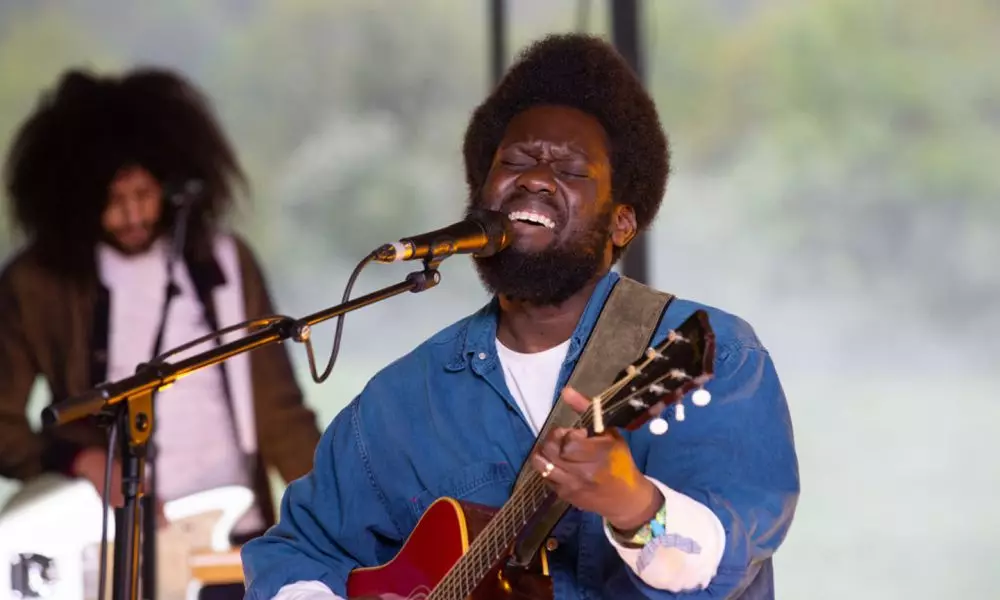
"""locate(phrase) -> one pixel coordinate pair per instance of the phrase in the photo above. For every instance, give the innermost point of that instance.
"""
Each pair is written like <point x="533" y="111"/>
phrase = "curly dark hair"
<point x="587" y="73"/>
<point x="89" y="127"/>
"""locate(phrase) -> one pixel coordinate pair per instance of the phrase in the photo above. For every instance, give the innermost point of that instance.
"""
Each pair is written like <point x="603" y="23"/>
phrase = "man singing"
<point x="569" y="145"/>
<point x="81" y="303"/>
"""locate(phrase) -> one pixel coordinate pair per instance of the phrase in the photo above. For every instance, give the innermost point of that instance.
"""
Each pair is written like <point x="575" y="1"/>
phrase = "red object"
<point x="441" y="538"/>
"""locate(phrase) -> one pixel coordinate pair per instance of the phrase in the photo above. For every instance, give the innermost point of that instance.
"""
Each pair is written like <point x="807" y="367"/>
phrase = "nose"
<point x="133" y="211"/>
<point x="538" y="180"/>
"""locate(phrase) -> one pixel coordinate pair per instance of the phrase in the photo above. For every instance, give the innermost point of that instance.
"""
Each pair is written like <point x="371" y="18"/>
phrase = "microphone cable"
<point x="106" y="505"/>
<point x="340" y="325"/>
<point x="271" y="319"/>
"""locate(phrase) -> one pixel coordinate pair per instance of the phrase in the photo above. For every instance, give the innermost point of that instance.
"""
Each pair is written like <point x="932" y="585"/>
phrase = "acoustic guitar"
<point x="460" y="550"/>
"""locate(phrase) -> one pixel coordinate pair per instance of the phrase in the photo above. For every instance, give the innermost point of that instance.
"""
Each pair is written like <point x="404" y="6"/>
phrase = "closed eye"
<point x="574" y="170"/>
<point x="516" y="163"/>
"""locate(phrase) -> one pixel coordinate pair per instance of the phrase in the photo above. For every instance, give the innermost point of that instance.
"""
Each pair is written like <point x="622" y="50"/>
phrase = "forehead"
<point x="129" y="179"/>
<point x="133" y="175"/>
<point x="558" y="126"/>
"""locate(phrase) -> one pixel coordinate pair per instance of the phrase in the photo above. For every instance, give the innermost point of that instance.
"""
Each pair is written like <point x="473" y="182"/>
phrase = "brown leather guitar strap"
<point x="622" y="333"/>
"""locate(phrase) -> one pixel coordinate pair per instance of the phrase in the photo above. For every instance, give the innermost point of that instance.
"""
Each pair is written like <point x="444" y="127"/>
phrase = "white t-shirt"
<point x="531" y="379"/>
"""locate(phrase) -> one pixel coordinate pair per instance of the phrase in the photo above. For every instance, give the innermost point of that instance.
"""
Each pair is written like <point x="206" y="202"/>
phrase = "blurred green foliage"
<point x="861" y="134"/>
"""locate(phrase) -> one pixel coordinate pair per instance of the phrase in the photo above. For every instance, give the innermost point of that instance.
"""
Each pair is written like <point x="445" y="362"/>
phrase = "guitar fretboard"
<point x="494" y="542"/>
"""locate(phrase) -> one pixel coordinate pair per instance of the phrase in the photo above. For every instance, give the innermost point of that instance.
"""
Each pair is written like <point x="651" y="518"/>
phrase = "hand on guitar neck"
<point x="90" y="464"/>
<point x="596" y="473"/>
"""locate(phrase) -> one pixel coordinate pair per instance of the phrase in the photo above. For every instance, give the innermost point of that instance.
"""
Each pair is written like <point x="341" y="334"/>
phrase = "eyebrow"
<point x="559" y="150"/>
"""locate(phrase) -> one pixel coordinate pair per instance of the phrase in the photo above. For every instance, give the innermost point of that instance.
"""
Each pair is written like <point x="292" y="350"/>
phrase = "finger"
<point x="566" y="472"/>
<point x="575" y="399"/>
<point x="542" y="464"/>
<point x="578" y="447"/>
<point x="552" y="472"/>
<point x="552" y="444"/>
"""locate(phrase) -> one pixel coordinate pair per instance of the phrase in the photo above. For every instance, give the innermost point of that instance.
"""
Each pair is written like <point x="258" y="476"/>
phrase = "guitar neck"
<point x="494" y="543"/>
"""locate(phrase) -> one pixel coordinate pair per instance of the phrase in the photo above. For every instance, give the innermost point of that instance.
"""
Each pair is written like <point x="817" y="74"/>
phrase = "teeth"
<point x="532" y="217"/>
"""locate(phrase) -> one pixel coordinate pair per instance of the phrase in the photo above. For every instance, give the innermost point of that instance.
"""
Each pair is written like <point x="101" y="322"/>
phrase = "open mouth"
<point x="531" y="218"/>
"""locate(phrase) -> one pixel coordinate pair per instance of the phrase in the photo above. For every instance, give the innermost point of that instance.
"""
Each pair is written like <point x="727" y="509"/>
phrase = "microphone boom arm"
<point x="151" y="376"/>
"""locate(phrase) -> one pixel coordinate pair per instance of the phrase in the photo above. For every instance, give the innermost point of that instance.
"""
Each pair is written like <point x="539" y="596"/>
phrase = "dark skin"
<point x="555" y="160"/>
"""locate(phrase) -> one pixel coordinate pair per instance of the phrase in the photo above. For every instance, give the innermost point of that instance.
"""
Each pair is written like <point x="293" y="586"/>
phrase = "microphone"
<point x="482" y="233"/>
<point x="184" y="194"/>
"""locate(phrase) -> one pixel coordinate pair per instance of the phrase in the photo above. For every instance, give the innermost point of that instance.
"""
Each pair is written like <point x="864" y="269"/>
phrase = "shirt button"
<point x="551" y="544"/>
<point x="482" y="356"/>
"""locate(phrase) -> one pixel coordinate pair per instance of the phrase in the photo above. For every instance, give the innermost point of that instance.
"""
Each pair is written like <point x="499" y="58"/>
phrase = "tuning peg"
<point x="658" y="426"/>
<point x="679" y="411"/>
<point x="701" y="397"/>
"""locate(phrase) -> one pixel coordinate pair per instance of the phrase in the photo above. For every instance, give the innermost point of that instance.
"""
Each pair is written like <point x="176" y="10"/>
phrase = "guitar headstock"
<point x="661" y="377"/>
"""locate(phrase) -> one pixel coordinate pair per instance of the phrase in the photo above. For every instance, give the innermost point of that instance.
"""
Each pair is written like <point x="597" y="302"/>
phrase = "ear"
<point x="623" y="225"/>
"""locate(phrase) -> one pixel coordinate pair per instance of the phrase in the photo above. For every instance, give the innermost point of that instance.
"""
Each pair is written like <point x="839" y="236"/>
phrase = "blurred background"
<point x="835" y="183"/>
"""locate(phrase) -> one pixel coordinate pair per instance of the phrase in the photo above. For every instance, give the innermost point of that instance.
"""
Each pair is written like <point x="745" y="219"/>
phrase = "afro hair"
<point x="65" y="155"/>
<point x="586" y="73"/>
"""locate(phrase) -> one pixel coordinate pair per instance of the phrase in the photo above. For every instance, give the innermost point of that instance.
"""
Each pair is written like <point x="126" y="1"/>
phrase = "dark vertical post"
<point x="498" y="39"/>
<point x="625" y="36"/>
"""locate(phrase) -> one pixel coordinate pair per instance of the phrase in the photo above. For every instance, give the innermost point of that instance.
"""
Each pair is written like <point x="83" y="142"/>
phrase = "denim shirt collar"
<point x="478" y="335"/>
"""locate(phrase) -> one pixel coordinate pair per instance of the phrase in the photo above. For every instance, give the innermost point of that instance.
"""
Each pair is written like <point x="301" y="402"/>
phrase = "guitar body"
<point x="440" y="539"/>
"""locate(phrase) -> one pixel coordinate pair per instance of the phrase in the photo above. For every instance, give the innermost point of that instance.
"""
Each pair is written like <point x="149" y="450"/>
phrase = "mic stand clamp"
<point x="429" y="277"/>
<point x="134" y="419"/>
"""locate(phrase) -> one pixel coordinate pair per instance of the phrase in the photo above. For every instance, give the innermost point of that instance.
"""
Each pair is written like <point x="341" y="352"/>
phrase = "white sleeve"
<point x="687" y="556"/>
<point x="306" y="590"/>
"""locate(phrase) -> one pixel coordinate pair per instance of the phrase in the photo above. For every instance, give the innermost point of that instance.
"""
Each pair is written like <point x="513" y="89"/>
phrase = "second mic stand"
<point x="185" y="201"/>
<point x="130" y="401"/>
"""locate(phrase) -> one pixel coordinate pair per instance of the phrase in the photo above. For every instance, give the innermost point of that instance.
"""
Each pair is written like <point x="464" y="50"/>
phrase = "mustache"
<point x="522" y="197"/>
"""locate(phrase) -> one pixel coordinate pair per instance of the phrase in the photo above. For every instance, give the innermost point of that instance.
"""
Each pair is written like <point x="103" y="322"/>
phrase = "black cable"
<point x="269" y="320"/>
<point x="260" y="322"/>
<point x="105" y="505"/>
<point x="340" y="326"/>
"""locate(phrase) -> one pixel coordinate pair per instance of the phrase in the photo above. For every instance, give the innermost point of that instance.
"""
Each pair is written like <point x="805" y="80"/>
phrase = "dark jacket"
<point x="57" y="327"/>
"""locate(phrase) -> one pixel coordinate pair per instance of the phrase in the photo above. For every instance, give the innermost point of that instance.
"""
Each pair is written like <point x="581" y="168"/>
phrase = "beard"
<point x="552" y="276"/>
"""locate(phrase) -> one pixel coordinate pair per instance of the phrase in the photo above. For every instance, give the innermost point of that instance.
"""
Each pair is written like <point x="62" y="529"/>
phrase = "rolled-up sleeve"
<point x="735" y="456"/>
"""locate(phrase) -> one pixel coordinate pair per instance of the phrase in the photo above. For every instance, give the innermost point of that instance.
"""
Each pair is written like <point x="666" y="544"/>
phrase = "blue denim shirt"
<point x="440" y="422"/>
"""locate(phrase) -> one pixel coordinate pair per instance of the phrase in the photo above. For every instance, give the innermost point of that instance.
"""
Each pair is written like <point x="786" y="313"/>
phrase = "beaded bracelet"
<point x="656" y="527"/>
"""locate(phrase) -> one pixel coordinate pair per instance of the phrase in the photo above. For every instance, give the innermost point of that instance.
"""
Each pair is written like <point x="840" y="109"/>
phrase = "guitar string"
<point x="476" y="560"/>
<point x="462" y="580"/>
<point x="461" y="576"/>
<point x="470" y="570"/>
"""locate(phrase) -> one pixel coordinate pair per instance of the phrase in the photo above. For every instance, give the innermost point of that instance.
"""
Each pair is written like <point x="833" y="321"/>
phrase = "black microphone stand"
<point x="183" y="201"/>
<point x="130" y="402"/>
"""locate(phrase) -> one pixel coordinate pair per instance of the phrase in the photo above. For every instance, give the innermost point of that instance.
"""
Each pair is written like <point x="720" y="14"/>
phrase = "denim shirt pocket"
<point x="486" y="483"/>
